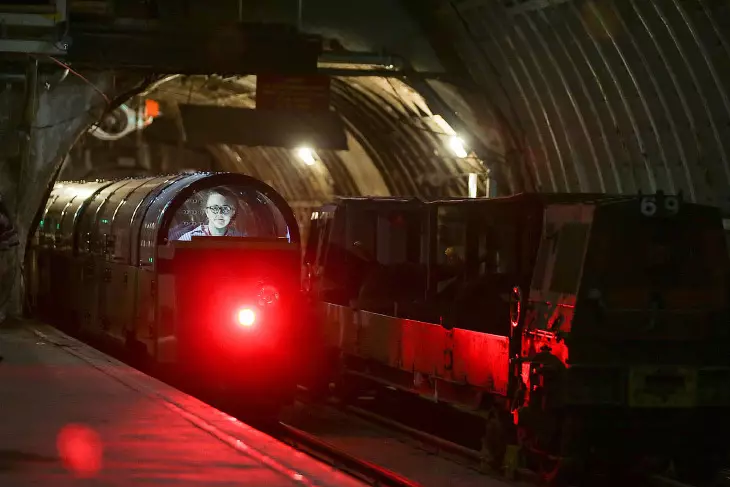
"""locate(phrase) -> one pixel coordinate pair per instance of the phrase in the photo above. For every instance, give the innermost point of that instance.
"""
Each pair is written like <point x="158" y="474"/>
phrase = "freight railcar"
<point x="570" y="322"/>
<point x="199" y="273"/>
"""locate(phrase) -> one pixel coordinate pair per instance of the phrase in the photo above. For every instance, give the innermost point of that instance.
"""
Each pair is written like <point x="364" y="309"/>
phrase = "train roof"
<point x="534" y="200"/>
<point x="537" y="198"/>
<point x="128" y="218"/>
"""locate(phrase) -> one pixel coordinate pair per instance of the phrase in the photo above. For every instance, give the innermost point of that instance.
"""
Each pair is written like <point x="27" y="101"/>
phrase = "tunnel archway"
<point x="398" y="145"/>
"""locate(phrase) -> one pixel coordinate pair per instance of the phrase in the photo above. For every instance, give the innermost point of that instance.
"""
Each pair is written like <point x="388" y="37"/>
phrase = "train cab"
<point x="468" y="263"/>
<point x="199" y="271"/>
<point x="537" y="308"/>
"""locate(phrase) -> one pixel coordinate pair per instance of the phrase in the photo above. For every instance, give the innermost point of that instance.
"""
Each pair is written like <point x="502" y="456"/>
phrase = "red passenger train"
<point x="569" y="322"/>
<point x="199" y="272"/>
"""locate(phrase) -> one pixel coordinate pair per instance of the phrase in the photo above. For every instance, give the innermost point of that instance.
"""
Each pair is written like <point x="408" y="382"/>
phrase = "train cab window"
<point x="313" y="236"/>
<point x="228" y="211"/>
<point x="386" y="264"/>
<point x="570" y="245"/>
<point x="477" y="261"/>
<point x="545" y="251"/>
<point x="398" y="239"/>
<point x="451" y="244"/>
<point x="344" y="253"/>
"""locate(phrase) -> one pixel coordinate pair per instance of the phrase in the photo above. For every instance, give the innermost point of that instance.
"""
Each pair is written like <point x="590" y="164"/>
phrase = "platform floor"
<point x="71" y="415"/>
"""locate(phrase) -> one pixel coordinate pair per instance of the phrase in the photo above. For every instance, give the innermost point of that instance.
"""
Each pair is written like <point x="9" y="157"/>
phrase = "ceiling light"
<point x="457" y="147"/>
<point x="306" y="155"/>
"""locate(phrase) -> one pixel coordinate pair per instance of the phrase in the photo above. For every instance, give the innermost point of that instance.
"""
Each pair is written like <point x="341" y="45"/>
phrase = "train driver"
<point x="220" y="209"/>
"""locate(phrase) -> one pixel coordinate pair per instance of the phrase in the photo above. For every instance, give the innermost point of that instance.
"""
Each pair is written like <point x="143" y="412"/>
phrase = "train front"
<point x="650" y="331"/>
<point x="231" y="267"/>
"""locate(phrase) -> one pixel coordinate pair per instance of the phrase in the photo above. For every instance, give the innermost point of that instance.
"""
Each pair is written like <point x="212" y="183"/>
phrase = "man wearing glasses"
<point x="220" y="208"/>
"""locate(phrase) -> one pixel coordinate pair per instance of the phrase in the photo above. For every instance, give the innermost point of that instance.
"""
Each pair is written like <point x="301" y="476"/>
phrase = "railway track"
<point x="469" y="457"/>
<point x="366" y="471"/>
<point x="327" y="428"/>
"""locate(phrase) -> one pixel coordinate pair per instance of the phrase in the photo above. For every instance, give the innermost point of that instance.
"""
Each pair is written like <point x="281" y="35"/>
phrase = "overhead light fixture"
<point x="306" y="155"/>
<point x="457" y="147"/>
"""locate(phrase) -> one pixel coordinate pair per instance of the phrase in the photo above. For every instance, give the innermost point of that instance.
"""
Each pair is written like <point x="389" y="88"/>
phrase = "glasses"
<point x="219" y="209"/>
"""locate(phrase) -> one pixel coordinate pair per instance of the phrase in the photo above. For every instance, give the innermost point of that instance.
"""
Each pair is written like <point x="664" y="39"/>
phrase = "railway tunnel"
<point x="523" y="95"/>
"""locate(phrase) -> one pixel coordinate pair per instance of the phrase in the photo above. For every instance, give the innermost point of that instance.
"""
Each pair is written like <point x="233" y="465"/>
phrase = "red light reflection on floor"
<point x="80" y="449"/>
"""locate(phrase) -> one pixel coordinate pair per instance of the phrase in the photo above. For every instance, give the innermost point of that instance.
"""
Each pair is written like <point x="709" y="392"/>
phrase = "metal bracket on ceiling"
<point x="360" y="58"/>
<point x="362" y="64"/>
<point x="20" y="23"/>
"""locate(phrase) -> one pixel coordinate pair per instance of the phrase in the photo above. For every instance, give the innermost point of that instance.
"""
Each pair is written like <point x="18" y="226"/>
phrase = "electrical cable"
<point x="82" y="78"/>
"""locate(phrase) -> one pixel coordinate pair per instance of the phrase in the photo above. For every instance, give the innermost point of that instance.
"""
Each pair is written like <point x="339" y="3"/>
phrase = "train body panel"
<point x="568" y="312"/>
<point x="140" y="262"/>
<point x="427" y="352"/>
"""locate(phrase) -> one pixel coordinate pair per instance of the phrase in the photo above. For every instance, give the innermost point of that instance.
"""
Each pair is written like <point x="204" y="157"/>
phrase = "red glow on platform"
<point x="80" y="450"/>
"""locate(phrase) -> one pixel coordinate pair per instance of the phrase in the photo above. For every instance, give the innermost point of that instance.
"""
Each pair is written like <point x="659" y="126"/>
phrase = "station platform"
<point x="72" y="415"/>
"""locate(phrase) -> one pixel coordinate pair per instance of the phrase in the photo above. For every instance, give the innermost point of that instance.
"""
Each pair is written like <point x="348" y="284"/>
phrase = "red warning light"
<point x="246" y="317"/>
<point x="151" y="108"/>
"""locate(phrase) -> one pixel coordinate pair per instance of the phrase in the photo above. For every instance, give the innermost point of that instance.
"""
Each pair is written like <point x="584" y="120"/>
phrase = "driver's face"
<point x="225" y="207"/>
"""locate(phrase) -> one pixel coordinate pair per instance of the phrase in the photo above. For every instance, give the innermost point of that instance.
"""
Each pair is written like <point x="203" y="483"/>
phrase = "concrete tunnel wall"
<point x="63" y="112"/>
<point x="567" y="95"/>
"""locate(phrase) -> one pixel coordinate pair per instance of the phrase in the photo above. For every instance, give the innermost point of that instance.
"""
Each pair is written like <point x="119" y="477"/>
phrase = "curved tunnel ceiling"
<point x="397" y="146"/>
<point x="615" y="96"/>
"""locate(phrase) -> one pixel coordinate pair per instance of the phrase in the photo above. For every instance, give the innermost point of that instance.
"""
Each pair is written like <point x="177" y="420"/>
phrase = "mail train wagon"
<point x="571" y="323"/>
<point x="197" y="272"/>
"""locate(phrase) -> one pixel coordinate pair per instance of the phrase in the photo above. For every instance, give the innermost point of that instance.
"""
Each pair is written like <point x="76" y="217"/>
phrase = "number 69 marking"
<point x="648" y="206"/>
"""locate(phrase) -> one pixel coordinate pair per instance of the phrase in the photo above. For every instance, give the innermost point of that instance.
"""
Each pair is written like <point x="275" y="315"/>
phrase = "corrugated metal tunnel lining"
<point x="397" y="145"/>
<point x="576" y="95"/>
<point x="611" y="95"/>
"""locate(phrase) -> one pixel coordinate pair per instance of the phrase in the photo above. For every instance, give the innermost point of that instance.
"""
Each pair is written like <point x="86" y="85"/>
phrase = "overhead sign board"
<point x="305" y="93"/>
<point x="209" y="124"/>
<point x="239" y="49"/>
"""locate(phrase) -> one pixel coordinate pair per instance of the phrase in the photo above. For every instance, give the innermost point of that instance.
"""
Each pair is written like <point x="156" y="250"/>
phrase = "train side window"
<point x="570" y="245"/>
<point x="310" y="251"/>
<point x="362" y="233"/>
<point x="451" y="242"/>
<point x="547" y="243"/>
<point x="497" y="247"/>
<point x="388" y="277"/>
<point x="451" y="237"/>
<point x="323" y="241"/>
<point x="398" y="238"/>
<point x="330" y="269"/>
